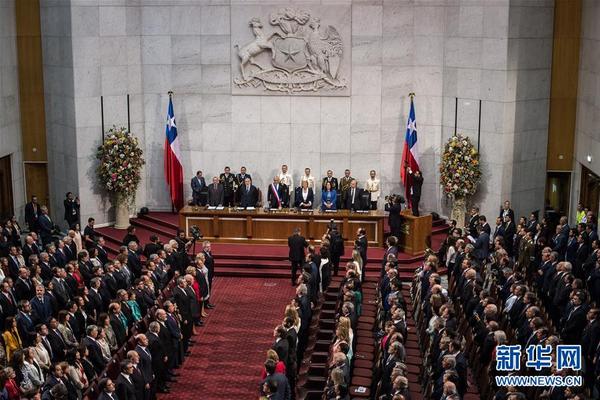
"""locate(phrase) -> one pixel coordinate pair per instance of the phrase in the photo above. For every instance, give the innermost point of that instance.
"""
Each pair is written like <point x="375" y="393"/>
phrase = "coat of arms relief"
<point x="293" y="53"/>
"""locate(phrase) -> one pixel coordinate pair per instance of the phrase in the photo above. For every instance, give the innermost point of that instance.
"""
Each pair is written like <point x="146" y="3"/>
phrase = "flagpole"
<point x="170" y="93"/>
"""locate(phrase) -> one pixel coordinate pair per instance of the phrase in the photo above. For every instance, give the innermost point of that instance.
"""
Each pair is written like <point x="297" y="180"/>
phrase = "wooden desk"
<point x="416" y="233"/>
<point x="260" y="226"/>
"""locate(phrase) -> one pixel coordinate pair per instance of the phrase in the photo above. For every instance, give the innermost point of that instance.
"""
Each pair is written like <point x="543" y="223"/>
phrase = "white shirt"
<point x="372" y="186"/>
<point x="310" y="179"/>
<point x="287" y="180"/>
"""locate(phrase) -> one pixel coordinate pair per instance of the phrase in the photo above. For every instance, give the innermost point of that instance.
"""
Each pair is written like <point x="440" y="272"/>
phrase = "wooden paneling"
<point x="417" y="233"/>
<point x="6" y="193"/>
<point x="31" y="98"/>
<point x="36" y="182"/>
<point x="565" y="78"/>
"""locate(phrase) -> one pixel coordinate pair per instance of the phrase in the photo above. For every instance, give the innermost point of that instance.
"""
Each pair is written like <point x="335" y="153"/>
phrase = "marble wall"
<point x="587" y="134"/>
<point x="494" y="50"/>
<point x="10" y="126"/>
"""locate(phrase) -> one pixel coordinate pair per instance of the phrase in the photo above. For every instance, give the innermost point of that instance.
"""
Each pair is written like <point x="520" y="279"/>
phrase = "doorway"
<point x="6" y="190"/>
<point x="589" y="192"/>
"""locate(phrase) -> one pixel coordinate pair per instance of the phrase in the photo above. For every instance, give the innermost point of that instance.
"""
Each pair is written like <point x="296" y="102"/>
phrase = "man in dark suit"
<point x="118" y="322"/>
<point x="276" y="383"/>
<point x="482" y="245"/>
<point x="198" y="186"/>
<point x="215" y="193"/>
<point x="41" y="307"/>
<point x="32" y="213"/>
<point x="590" y="339"/>
<point x="281" y="345"/>
<point x="57" y="342"/>
<point x="248" y="194"/>
<point x="106" y="388"/>
<point x="124" y="385"/>
<point x="71" y="204"/>
<point x="362" y="244"/>
<point x="394" y="207"/>
<point x="24" y="287"/>
<point x="153" y="247"/>
<point x="25" y="323"/>
<point x="574" y="319"/>
<point x="353" y="197"/>
<point x="415" y="190"/>
<point x="139" y="383"/>
<point x="506" y="210"/>
<point x="133" y="259"/>
<point x="184" y="306"/>
<point x="145" y="361"/>
<point x="230" y="183"/>
<point x="95" y="352"/>
<point x="158" y="351"/>
<point x="209" y="261"/>
<point x="46" y="226"/>
<point x="8" y="302"/>
<point x="296" y="244"/>
<point x="474" y="221"/>
<point x="278" y="194"/>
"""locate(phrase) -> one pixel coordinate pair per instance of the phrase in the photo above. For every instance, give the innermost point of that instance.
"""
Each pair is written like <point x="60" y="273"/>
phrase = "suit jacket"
<point x="215" y="194"/>
<point x="125" y="389"/>
<point x="41" y="311"/>
<point x="8" y="304"/>
<point x="356" y="204"/>
<point x="198" y="185"/>
<point x="281" y="347"/>
<point x="145" y="365"/>
<point x="157" y="350"/>
<point x="134" y="263"/>
<point x="32" y="215"/>
<point x="573" y="324"/>
<point x="248" y="196"/>
<point x="589" y="339"/>
<point x="138" y="383"/>
<point x="58" y="344"/>
<point x="362" y="245"/>
<point x="24" y="289"/>
<point x="282" y="192"/>
<point x="45" y="226"/>
<point x="71" y="211"/>
<point x="297" y="244"/>
<point x="482" y="246"/>
<point x="184" y="304"/>
<point x="298" y="199"/>
<point x="119" y="329"/>
<point x="283" y="386"/>
<point x="26" y="328"/>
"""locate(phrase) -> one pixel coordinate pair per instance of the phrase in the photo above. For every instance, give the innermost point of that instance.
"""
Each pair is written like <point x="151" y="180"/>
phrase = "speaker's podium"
<point x="416" y="233"/>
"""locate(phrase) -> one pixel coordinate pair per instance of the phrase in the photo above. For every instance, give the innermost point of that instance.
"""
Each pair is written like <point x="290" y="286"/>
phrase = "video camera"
<point x="196" y="233"/>
<point x="395" y="198"/>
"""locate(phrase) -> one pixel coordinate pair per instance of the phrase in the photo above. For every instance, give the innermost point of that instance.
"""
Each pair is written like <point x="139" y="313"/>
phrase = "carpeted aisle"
<point x="226" y="361"/>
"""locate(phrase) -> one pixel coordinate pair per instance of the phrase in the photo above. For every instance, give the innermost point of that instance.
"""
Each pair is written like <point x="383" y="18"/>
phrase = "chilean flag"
<point x="173" y="167"/>
<point x="410" y="157"/>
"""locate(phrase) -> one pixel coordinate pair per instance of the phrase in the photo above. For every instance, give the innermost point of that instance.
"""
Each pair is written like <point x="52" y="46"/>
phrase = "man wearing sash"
<point x="278" y="194"/>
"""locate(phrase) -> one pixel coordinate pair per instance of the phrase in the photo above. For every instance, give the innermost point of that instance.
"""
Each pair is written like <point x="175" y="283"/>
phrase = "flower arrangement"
<point x="459" y="169"/>
<point x="121" y="163"/>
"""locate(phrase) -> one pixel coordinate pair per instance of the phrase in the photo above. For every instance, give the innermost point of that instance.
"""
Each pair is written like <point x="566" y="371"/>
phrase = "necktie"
<point x="353" y="195"/>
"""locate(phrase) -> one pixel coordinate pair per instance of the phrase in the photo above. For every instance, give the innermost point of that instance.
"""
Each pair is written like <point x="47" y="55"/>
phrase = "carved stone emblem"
<point x="296" y="55"/>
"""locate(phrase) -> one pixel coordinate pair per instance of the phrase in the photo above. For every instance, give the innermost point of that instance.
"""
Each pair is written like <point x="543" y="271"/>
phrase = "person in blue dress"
<point x="328" y="198"/>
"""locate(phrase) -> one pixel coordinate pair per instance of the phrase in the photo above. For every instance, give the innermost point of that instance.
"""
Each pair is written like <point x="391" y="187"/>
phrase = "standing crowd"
<point x="78" y="322"/>
<point x="286" y="368"/>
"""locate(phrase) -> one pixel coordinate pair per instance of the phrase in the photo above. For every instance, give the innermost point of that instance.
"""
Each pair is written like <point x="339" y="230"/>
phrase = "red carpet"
<point x="226" y="361"/>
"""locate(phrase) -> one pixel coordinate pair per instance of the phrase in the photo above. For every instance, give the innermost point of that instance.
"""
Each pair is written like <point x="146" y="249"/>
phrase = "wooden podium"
<point x="416" y="233"/>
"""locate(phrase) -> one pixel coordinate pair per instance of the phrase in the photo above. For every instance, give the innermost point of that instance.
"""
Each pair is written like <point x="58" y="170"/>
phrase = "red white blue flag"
<point x="173" y="166"/>
<point x="410" y="157"/>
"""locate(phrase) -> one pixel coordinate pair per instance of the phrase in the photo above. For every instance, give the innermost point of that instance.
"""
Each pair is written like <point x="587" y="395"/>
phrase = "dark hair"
<point x="270" y="366"/>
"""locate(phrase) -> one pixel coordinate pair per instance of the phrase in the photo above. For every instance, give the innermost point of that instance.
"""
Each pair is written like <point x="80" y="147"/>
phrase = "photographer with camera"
<point x="394" y="207"/>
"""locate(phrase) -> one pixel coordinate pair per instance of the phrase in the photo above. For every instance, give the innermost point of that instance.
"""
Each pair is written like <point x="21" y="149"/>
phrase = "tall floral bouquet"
<point x="459" y="169"/>
<point x="121" y="161"/>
